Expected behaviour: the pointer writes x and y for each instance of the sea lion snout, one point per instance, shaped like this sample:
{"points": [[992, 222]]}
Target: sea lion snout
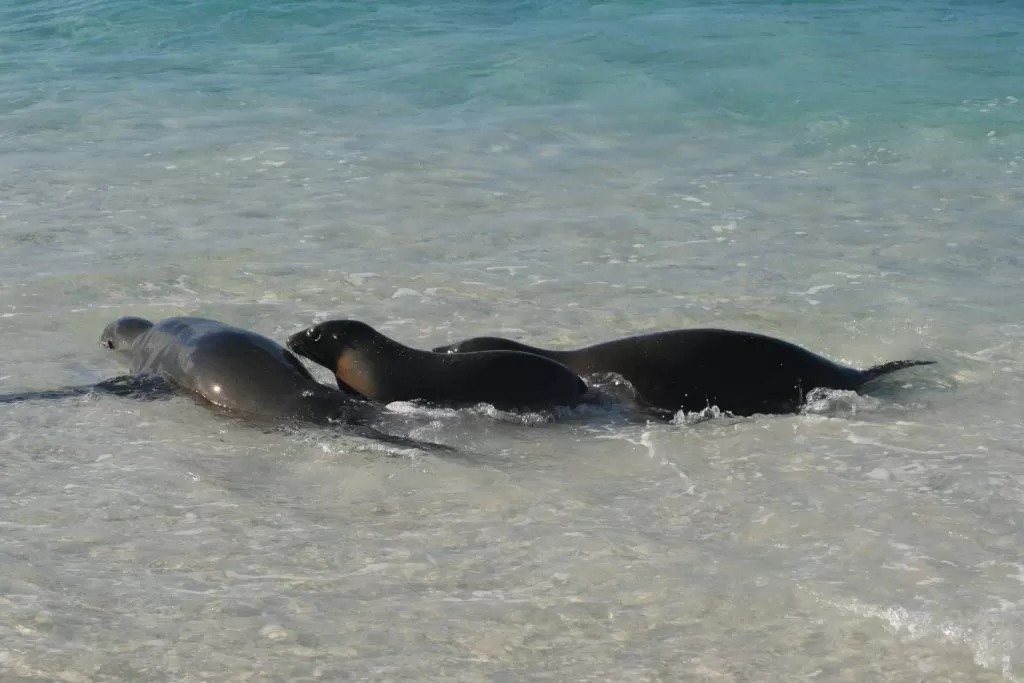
{"points": [[294, 341], [313, 344], [107, 336], [310, 335]]}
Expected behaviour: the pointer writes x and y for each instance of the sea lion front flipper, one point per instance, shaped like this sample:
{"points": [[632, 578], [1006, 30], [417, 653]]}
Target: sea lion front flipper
{"points": [[368, 432]]}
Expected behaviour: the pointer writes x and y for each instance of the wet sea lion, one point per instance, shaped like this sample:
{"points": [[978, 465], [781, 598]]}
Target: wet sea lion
{"points": [[238, 370], [381, 369], [743, 373]]}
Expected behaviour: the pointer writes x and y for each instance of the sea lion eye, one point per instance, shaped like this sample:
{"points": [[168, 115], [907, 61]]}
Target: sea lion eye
{"points": [[109, 343], [314, 335]]}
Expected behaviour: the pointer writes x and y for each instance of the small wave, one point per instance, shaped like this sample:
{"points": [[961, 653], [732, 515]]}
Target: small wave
{"points": [[991, 636], [838, 403], [439, 415], [599, 404], [697, 416]]}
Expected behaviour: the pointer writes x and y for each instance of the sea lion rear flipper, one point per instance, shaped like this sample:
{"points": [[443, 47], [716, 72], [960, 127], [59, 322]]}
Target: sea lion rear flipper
{"points": [[892, 366], [145, 388], [65, 392]]}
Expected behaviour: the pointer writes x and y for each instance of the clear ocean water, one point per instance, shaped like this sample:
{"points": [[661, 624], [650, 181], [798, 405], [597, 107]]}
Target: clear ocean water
{"points": [[845, 175]]}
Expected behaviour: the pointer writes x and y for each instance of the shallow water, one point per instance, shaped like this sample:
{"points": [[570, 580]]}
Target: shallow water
{"points": [[848, 177]]}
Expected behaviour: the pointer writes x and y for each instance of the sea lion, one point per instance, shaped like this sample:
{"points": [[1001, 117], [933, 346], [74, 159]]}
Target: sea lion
{"points": [[238, 370], [743, 373], [381, 369]]}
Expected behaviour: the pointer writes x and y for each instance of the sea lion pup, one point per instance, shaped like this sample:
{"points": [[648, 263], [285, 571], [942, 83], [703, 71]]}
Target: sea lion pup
{"points": [[381, 369], [743, 373], [240, 371]]}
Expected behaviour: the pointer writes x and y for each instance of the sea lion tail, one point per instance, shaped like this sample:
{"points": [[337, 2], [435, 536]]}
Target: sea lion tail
{"points": [[892, 366]]}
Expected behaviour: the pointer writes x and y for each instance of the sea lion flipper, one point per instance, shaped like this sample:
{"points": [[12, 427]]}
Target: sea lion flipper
{"points": [[368, 432], [143, 388], [49, 394], [123, 385], [877, 371]]}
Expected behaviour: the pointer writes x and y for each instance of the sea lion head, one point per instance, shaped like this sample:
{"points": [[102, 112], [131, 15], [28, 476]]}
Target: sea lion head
{"points": [[122, 333], [340, 346], [325, 342]]}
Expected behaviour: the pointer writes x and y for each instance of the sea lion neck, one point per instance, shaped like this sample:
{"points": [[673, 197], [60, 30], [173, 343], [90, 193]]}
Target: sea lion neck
{"points": [[366, 366], [381, 346]]}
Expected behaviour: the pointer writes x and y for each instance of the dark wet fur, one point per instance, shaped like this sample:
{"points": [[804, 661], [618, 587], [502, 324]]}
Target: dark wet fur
{"points": [[240, 373], [742, 373], [508, 380]]}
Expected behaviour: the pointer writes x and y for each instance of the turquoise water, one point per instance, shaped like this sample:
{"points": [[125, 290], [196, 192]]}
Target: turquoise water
{"points": [[846, 175]]}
